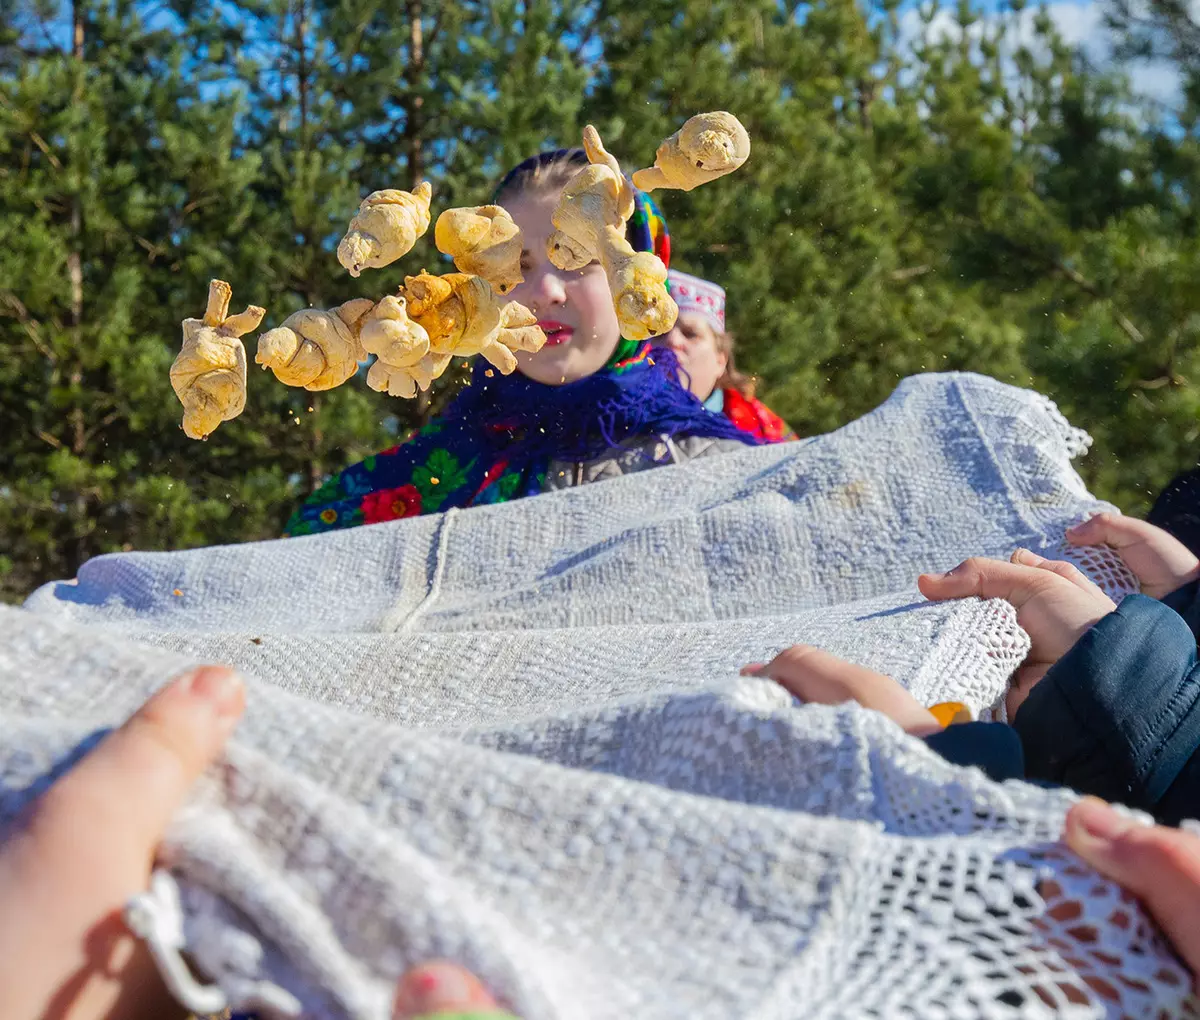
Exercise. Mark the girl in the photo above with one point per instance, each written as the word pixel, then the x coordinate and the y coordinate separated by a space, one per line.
pixel 589 405
pixel 705 353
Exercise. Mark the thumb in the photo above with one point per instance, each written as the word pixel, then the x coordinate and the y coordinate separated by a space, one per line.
pixel 1160 866
pixel 443 988
pixel 128 788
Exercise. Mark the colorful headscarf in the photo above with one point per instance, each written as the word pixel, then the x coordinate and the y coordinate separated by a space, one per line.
pixel 497 439
pixel 646 229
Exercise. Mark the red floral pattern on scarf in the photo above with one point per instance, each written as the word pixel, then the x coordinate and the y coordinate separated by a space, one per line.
pixel 391 504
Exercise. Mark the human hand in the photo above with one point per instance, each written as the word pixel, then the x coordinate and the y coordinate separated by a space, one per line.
pixel 1160 561
pixel 1055 604
pixel 88 844
pixel 1159 865
pixel 445 989
pixel 816 676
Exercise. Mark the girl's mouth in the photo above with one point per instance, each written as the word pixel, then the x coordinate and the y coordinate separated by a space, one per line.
pixel 556 332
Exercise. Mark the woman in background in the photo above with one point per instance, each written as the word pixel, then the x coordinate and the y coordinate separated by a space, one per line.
pixel 705 353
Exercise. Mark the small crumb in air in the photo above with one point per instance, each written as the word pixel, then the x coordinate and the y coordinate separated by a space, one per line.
pixel 177 592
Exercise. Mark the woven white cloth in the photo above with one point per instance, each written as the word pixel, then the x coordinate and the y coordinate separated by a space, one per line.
pixel 515 736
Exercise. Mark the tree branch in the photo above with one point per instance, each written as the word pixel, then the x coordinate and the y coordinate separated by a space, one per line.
pixel 47 438
pixel 104 422
pixel 41 144
pixel 900 275
pixel 1088 287
pixel 30 325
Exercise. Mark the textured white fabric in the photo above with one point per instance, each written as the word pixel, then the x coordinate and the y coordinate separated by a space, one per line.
pixel 515 736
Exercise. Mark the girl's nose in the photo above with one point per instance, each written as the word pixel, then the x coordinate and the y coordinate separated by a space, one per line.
pixel 548 287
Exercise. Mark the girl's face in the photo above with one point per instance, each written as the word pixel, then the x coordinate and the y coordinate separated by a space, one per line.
pixel 575 310
pixel 695 345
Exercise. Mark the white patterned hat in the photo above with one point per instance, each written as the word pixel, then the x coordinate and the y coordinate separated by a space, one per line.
pixel 692 294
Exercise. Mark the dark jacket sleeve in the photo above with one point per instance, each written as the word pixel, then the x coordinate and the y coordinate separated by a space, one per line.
pixel 1186 602
pixel 1118 716
pixel 993 747
pixel 1177 509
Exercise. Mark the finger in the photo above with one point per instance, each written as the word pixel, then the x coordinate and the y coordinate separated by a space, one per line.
pixel 1115 530
pixel 127 789
pixel 799 662
pixel 1065 570
pixel 439 987
pixel 1160 866
pixel 808 673
pixel 88 845
pixel 817 677
pixel 752 669
pixel 1023 682
pixel 987 579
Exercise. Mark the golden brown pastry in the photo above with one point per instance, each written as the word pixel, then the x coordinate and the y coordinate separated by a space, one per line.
pixel 437 305
pixel 708 146
pixel 385 228
pixel 589 224
pixel 316 349
pixel 404 381
pixel 463 317
pixel 403 363
pixel 209 373
pixel 483 241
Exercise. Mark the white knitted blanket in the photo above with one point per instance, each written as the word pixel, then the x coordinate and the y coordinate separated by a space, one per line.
pixel 515 736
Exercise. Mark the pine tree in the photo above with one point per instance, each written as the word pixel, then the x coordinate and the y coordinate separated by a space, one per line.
pixel 833 296
pixel 1065 222
pixel 980 198
pixel 107 153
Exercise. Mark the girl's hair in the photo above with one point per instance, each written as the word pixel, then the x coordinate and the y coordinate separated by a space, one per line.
pixel 552 171
pixel 731 378
pixel 544 172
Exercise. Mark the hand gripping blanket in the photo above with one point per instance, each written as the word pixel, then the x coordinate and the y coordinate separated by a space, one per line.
pixel 516 736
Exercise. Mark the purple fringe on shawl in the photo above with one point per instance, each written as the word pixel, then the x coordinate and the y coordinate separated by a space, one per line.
pixel 527 421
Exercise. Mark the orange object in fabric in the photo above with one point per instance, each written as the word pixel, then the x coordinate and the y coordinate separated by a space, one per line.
pixel 947 713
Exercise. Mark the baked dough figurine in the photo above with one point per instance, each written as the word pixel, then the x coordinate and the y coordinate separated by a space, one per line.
pixel 405 380
pixel 385 228
pixel 209 373
pixel 315 349
pixel 403 363
pixel 590 224
pixel 483 241
pixel 708 146
pixel 464 317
